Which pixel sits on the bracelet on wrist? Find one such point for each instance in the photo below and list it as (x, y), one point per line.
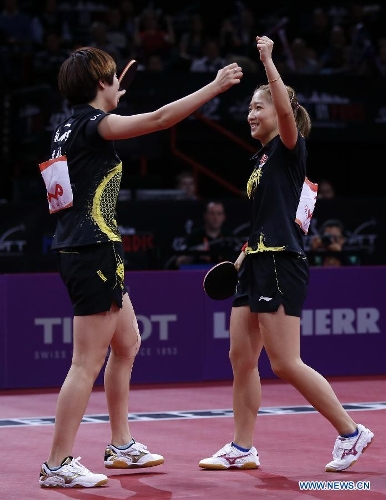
(274, 80)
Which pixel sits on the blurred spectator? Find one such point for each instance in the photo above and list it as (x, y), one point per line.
(230, 42)
(330, 244)
(155, 63)
(180, 59)
(128, 12)
(367, 17)
(185, 181)
(212, 60)
(192, 41)
(190, 44)
(48, 60)
(337, 14)
(303, 60)
(232, 48)
(212, 242)
(247, 29)
(335, 58)
(380, 58)
(153, 36)
(98, 39)
(362, 51)
(16, 26)
(50, 20)
(116, 33)
(16, 43)
(341, 39)
(325, 189)
(316, 29)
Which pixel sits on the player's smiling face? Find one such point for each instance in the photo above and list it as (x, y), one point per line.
(262, 117)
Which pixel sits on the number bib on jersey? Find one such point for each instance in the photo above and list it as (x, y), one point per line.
(306, 204)
(57, 180)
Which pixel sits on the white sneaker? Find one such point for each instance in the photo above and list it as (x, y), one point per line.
(230, 457)
(71, 474)
(347, 450)
(133, 457)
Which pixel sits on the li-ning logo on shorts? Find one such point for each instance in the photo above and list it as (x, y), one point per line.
(267, 299)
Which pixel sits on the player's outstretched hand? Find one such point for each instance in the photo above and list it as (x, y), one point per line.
(228, 76)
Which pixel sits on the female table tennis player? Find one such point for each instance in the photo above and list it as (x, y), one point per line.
(90, 255)
(273, 280)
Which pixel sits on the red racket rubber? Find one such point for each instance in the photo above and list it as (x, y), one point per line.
(127, 76)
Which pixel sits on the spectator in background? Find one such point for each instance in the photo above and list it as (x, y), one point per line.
(180, 59)
(190, 44)
(231, 46)
(326, 189)
(192, 40)
(116, 34)
(362, 51)
(50, 20)
(48, 59)
(16, 43)
(246, 25)
(155, 63)
(335, 58)
(212, 60)
(128, 12)
(315, 28)
(380, 58)
(212, 242)
(304, 61)
(99, 40)
(152, 37)
(230, 42)
(185, 181)
(330, 244)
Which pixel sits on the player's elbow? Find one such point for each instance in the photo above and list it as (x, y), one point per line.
(162, 119)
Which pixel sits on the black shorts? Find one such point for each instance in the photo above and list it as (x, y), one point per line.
(269, 279)
(94, 276)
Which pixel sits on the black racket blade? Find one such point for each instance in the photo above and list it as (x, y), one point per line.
(220, 281)
(127, 76)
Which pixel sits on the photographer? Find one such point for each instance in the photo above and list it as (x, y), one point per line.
(210, 243)
(330, 244)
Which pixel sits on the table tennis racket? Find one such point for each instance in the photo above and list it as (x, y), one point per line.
(220, 281)
(127, 76)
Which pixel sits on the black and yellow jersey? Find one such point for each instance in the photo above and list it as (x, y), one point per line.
(274, 189)
(95, 172)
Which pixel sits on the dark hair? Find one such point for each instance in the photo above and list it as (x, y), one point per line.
(80, 73)
(302, 118)
(332, 223)
(213, 201)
